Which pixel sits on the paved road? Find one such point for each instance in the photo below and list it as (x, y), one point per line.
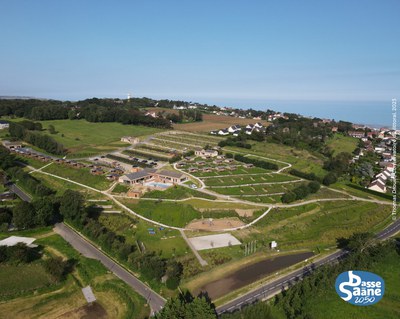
(87, 249)
(272, 288)
(20, 193)
(195, 252)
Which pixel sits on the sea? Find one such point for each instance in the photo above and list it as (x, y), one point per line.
(372, 113)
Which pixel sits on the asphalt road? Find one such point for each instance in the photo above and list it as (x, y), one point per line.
(272, 288)
(19, 192)
(87, 249)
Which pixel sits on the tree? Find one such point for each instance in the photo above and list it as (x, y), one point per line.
(72, 205)
(51, 129)
(329, 179)
(187, 308)
(314, 186)
(56, 267)
(174, 273)
(288, 197)
(23, 215)
(358, 242)
(45, 211)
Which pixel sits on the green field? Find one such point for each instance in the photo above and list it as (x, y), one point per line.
(21, 279)
(81, 175)
(340, 143)
(173, 214)
(319, 224)
(300, 159)
(249, 179)
(167, 242)
(255, 189)
(177, 192)
(83, 138)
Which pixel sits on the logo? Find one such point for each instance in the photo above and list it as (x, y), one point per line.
(360, 288)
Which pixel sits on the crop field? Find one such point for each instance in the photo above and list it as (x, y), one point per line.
(214, 122)
(318, 225)
(83, 138)
(248, 179)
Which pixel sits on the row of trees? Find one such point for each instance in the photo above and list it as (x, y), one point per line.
(151, 265)
(190, 115)
(21, 130)
(301, 192)
(42, 211)
(255, 162)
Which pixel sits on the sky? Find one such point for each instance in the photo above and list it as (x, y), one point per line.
(241, 53)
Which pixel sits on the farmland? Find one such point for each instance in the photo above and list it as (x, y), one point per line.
(213, 122)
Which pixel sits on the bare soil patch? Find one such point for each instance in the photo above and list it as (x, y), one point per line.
(215, 224)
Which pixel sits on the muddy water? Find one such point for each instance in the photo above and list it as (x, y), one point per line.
(251, 273)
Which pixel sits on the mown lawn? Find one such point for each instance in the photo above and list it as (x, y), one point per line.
(172, 214)
(167, 242)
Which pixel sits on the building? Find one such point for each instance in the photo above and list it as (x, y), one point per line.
(377, 186)
(169, 177)
(206, 153)
(136, 192)
(4, 125)
(12, 145)
(138, 177)
(150, 174)
(356, 134)
(130, 139)
(234, 128)
(223, 132)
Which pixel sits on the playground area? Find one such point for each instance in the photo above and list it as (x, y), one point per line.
(215, 224)
(214, 241)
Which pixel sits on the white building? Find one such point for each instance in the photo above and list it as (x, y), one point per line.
(4, 125)
(206, 153)
(377, 186)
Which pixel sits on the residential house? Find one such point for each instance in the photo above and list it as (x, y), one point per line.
(356, 134)
(206, 153)
(223, 132)
(377, 186)
(234, 128)
(4, 125)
